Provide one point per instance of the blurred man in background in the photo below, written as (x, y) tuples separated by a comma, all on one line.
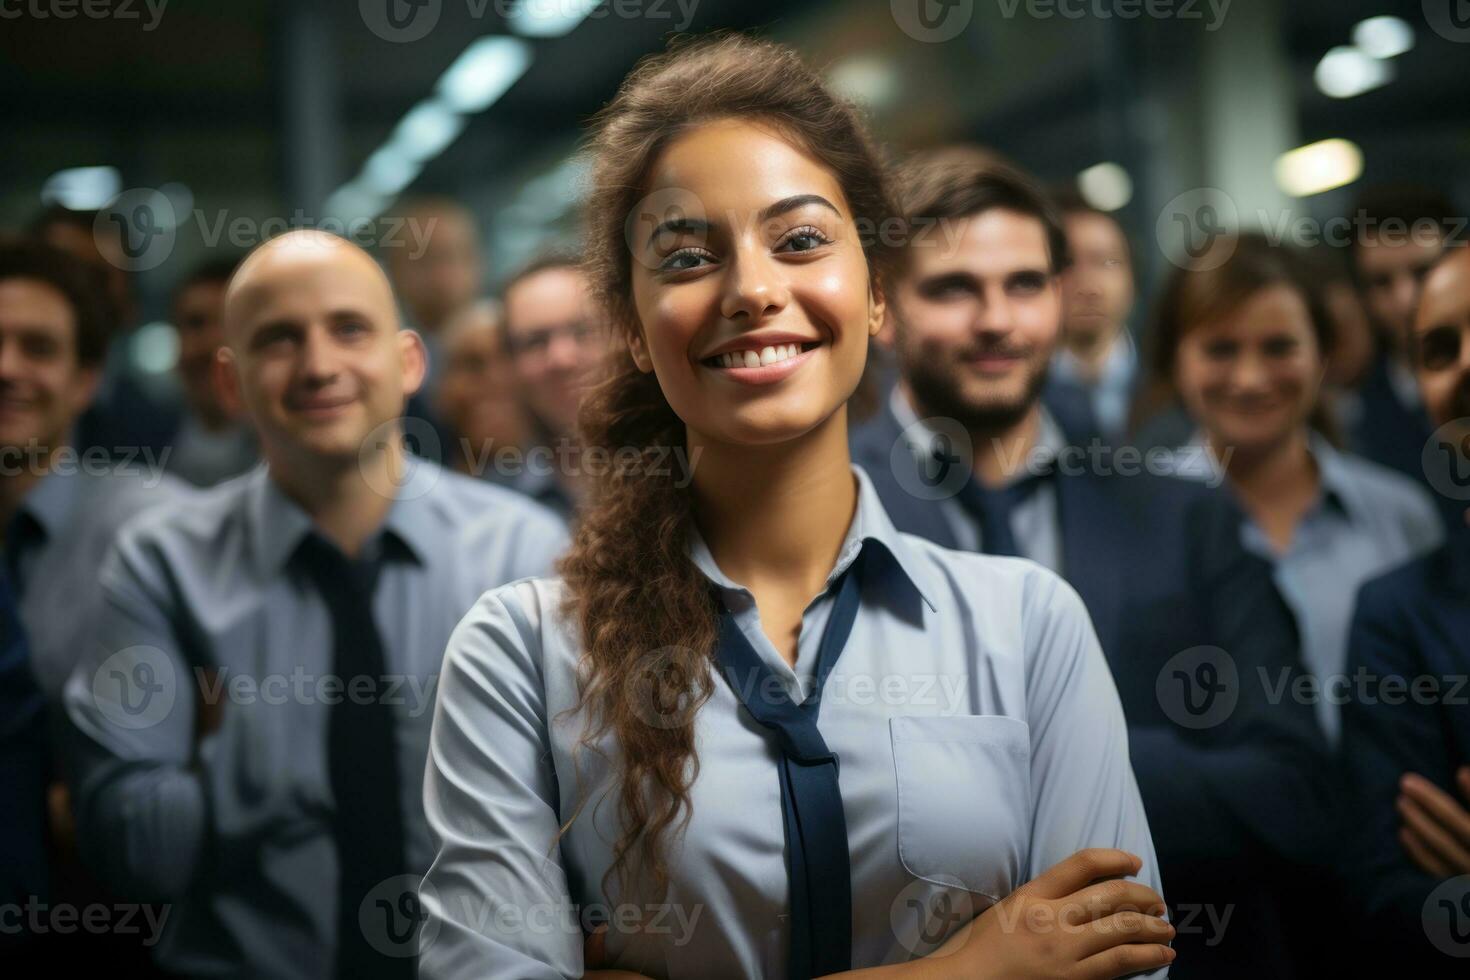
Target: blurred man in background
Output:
[(253, 721), (128, 414), (1407, 756), (60, 506), (477, 396), (212, 443), (1096, 359), (555, 337), (1157, 560), (1399, 233)]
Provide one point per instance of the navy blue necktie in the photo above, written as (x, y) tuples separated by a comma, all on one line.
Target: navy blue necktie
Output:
[(992, 510), (24, 758), (362, 758), (811, 801)]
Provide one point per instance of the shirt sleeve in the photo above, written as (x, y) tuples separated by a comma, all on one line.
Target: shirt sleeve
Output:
[(139, 796), (1083, 792), (496, 898)]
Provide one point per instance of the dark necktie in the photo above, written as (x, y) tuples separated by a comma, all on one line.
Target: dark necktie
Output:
[(993, 508), (23, 755), (362, 758), (811, 801)]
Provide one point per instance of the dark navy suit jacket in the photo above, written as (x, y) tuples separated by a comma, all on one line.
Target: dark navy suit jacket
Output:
[(1160, 565), (1411, 623), (1389, 432)]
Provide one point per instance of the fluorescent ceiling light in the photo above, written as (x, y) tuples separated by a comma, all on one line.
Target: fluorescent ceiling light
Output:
[(1105, 186), (387, 171), (483, 73), (549, 18), (426, 130), (1383, 37), (82, 188), (1319, 167), (1345, 72), (866, 79), (352, 201)]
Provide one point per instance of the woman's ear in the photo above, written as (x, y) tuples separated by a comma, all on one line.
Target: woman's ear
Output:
[(638, 349), (880, 317)]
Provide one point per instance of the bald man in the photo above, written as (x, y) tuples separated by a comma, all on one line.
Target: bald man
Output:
[(251, 726)]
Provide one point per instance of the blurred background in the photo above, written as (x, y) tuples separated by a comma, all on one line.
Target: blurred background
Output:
[(229, 122)]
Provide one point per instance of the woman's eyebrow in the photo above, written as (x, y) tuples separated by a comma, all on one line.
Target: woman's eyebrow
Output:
[(797, 201), (679, 225)]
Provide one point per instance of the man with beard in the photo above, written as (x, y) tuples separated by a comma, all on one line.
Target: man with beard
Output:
[(1406, 739), (966, 455)]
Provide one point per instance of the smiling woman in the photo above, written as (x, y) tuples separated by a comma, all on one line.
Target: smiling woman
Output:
[(640, 759)]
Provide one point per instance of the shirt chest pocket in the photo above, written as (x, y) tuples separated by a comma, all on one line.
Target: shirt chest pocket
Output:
[(964, 800)]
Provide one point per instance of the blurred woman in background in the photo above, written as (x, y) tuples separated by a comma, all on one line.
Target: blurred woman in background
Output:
[(1243, 341)]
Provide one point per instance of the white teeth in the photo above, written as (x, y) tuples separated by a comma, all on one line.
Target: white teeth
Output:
[(766, 355)]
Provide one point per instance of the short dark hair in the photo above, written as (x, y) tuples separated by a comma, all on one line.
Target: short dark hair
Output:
[(80, 282), (217, 269), (543, 262), (1411, 205), (955, 182), (1069, 201)]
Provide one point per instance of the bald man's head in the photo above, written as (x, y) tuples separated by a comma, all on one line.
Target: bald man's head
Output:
[(314, 352)]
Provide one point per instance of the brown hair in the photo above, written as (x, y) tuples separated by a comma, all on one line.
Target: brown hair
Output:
[(77, 280), (1232, 270), (962, 181), (646, 615)]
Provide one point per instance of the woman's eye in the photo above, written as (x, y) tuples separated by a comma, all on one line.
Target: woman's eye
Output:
[(682, 261), (805, 239)]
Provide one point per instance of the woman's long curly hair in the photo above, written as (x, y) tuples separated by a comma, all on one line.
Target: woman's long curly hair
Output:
[(645, 613)]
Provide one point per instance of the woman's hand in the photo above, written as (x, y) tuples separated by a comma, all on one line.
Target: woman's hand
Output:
[(1077, 920)]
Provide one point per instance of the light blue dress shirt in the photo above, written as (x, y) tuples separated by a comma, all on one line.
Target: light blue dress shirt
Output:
[(234, 830), (62, 530), (1111, 395), (980, 741), (1366, 520)]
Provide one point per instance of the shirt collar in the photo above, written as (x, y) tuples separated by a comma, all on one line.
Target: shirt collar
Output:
[(1118, 367), (871, 526), (1050, 439), (52, 501), (1339, 489), (277, 523)]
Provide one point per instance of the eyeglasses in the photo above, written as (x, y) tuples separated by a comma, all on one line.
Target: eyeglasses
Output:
[(1439, 347)]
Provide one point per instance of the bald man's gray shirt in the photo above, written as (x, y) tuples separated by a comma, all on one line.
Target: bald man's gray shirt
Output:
[(234, 829)]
